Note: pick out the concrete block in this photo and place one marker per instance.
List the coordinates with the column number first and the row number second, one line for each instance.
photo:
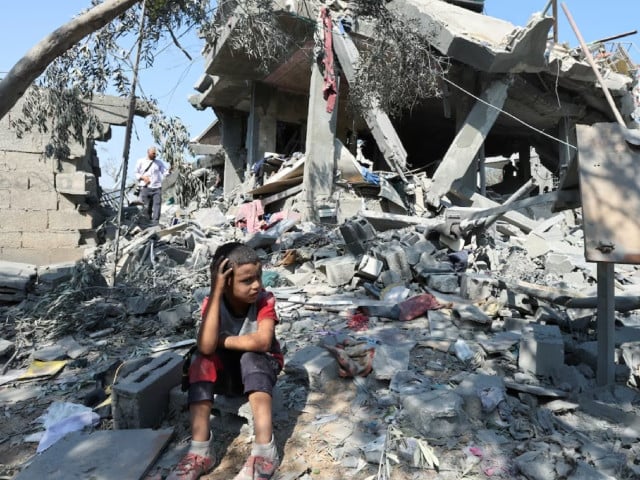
column 14, row 220
column 315, row 364
column 369, row 268
column 516, row 300
column 541, row 349
column 396, row 259
column 516, row 324
column 411, row 238
column 435, row 414
column 574, row 279
column 348, row 208
column 536, row 245
column 11, row 181
column 546, row 314
column 141, row 396
column 390, row 277
column 428, row 265
column 558, row 263
column 356, row 233
column 447, row 283
column 339, row 270
column 34, row 200
column 59, row 255
column 68, row 203
column 5, row 198
column 476, row 287
column 415, row 251
column 25, row 162
column 56, row 274
column 70, row 220
column 41, row 182
column 631, row 356
column 11, row 239
column 53, row 239
column 178, row 401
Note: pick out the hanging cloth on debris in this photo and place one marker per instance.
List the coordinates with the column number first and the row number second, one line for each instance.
column 249, row 216
column 329, row 90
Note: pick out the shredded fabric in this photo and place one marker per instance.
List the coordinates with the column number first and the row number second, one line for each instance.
column 330, row 90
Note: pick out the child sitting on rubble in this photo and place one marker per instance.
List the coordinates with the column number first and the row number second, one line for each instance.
column 237, row 354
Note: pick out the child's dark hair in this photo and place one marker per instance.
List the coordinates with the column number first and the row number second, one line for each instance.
column 238, row 254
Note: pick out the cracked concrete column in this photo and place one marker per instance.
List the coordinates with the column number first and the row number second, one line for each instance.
column 378, row 121
column 261, row 129
column 567, row 132
column 319, row 166
column 468, row 141
column 234, row 159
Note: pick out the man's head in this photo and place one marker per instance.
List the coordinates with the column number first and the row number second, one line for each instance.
column 151, row 153
column 245, row 282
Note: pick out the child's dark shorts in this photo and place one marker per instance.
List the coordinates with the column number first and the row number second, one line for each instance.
column 232, row 373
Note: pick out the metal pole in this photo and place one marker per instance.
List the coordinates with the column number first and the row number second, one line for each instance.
column 555, row 21
column 487, row 221
column 605, row 374
column 594, row 67
column 482, row 168
column 127, row 139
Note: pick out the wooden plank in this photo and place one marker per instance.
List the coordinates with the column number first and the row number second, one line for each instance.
column 280, row 195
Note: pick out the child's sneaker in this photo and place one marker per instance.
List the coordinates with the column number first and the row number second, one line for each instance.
column 191, row 467
column 258, row 468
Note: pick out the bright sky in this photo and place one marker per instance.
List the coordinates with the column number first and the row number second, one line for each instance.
column 171, row 80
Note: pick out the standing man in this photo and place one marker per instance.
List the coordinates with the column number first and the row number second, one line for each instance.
column 149, row 175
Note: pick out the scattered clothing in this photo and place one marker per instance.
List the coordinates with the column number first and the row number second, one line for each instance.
column 330, row 90
column 249, row 216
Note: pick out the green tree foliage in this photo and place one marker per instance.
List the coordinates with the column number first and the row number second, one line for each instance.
column 398, row 67
column 102, row 62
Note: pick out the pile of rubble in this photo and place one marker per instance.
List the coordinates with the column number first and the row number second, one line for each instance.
column 410, row 353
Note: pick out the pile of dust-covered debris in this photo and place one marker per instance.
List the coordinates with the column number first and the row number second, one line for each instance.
column 418, row 358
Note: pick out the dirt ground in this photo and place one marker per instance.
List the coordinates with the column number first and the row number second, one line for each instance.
column 306, row 447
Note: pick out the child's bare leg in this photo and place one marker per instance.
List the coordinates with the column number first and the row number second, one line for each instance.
column 200, row 426
column 199, row 459
column 264, row 460
column 261, row 408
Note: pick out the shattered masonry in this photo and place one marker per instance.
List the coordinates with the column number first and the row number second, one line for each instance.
column 436, row 303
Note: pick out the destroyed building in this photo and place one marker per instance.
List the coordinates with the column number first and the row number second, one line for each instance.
column 416, row 345
column 509, row 91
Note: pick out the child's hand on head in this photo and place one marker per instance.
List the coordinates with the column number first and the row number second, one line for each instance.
column 220, row 272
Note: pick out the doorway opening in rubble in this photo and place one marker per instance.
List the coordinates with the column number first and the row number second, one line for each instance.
column 289, row 138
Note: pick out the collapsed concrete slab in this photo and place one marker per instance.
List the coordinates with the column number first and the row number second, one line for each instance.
column 488, row 44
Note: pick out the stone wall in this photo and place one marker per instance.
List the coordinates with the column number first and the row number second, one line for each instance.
column 48, row 209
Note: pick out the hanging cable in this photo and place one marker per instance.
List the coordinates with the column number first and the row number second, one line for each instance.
column 508, row 114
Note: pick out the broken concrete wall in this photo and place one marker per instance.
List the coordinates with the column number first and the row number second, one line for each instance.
column 49, row 207
column 233, row 82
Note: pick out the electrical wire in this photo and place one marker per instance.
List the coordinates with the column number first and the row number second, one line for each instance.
column 522, row 122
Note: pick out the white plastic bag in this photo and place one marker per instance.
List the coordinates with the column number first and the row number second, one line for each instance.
column 62, row 418
column 463, row 352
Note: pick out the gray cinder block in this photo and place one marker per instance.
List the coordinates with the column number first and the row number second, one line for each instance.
column 141, row 395
column 541, row 349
